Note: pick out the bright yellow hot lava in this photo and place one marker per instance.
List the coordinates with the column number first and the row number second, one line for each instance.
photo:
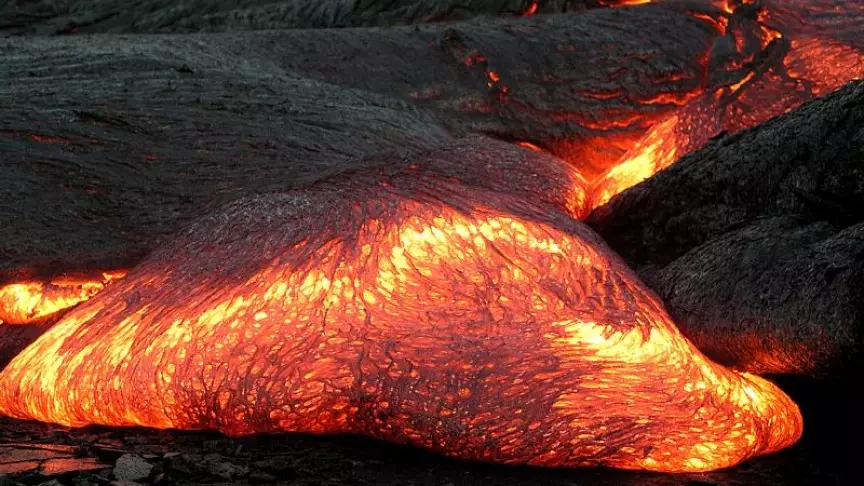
column 480, row 335
column 654, row 152
column 26, row 302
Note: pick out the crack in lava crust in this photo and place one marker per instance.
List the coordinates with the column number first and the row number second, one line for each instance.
column 471, row 322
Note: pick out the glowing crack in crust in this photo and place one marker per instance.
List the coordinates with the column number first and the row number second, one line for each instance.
column 501, row 331
column 778, row 56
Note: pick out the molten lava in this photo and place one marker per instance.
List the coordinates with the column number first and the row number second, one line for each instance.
column 770, row 58
column 410, row 308
column 825, row 64
column 472, row 318
column 26, row 302
column 653, row 153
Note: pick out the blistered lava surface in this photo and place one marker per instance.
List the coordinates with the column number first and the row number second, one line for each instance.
column 410, row 308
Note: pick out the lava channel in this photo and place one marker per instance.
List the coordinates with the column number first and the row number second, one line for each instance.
column 409, row 308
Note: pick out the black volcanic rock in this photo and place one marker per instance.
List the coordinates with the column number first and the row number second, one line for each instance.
column 19, row 17
column 116, row 142
column 756, row 242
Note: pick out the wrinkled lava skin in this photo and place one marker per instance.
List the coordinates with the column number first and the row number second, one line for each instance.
column 407, row 306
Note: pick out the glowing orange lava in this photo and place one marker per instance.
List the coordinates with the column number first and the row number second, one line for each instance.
column 530, row 146
column 826, row 64
column 486, row 328
column 26, row 302
column 771, row 72
column 657, row 150
column 464, row 320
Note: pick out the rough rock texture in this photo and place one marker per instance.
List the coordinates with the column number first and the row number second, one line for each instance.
column 450, row 304
column 62, row 17
column 73, row 108
column 131, row 467
column 114, row 145
column 820, row 18
column 756, row 243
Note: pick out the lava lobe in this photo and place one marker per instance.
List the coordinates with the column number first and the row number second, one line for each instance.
column 408, row 305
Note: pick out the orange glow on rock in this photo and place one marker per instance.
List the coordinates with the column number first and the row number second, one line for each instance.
column 26, row 302
column 767, row 73
column 654, row 152
column 624, row 3
column 825, row 64
column 531, row 10
column 53, row 140
column 735, row 87
column 473, row 323
column 530, row 146
column 720, row 24
column 477, row 329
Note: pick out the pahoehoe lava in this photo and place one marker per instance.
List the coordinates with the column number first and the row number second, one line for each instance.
column 377, row 268
column 409, row 306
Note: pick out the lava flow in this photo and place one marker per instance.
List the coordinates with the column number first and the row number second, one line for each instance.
column 407, row 307
column 27, row 302
column 770, row 57
column 653, row 153
column 480, row 322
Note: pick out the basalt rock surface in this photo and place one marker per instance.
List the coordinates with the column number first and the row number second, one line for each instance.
column 756, row 243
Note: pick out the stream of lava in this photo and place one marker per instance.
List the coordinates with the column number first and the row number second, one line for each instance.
column 653, row 153
column 504, row 331
column 777, row 62
column 473, row 329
